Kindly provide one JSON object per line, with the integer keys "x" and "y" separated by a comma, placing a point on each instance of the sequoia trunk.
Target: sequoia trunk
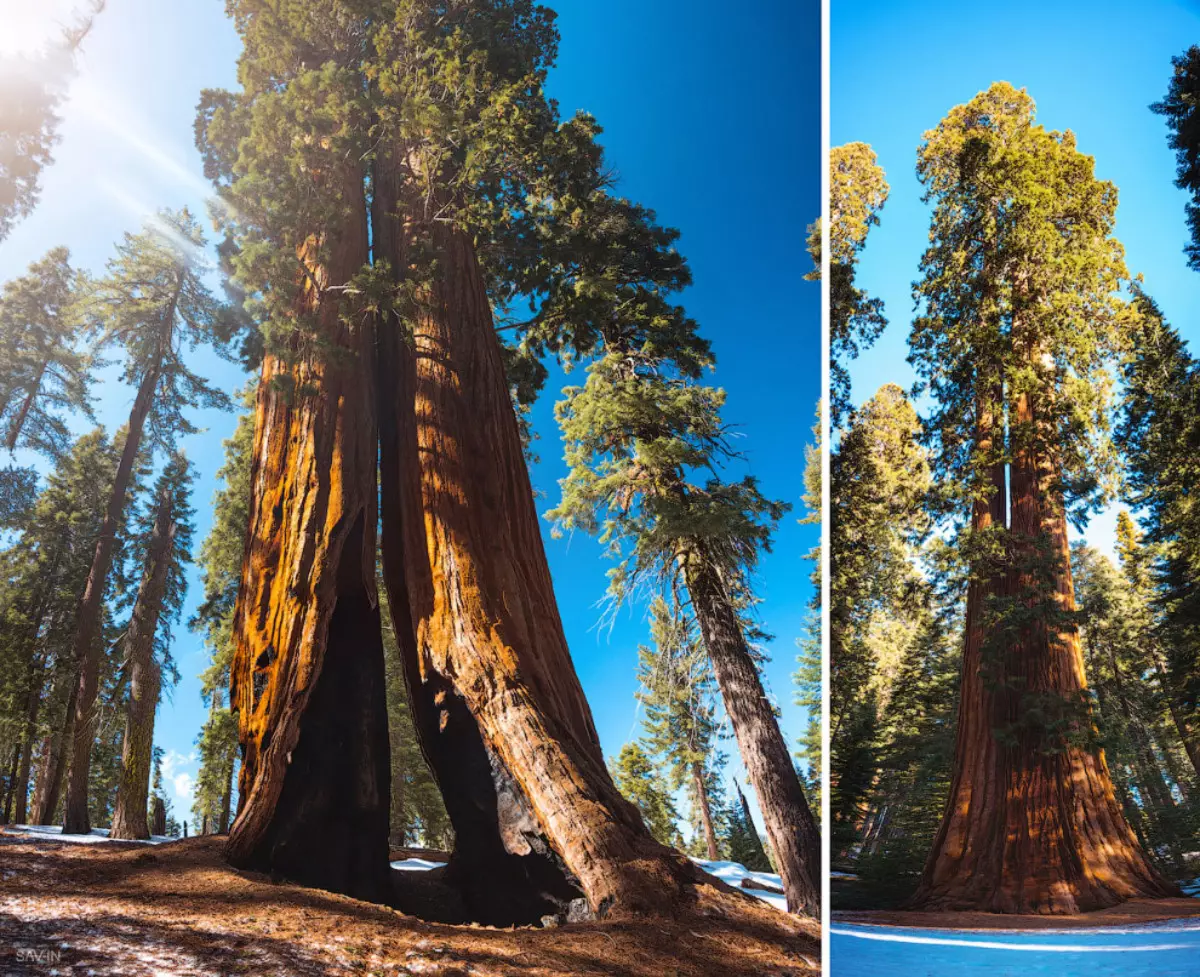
{"x": 791, "y": 829}
{"x": 129, "y": 816}
{"x": 87, "y": 647}
{"x": 1033, "y": 824}
{"x": 484, "y": 618}
{"x": 308, "y": 671}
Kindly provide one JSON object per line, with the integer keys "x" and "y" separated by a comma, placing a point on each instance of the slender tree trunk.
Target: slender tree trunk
{"x": 56, "y": 758}
{"x": 129, "y": 816}
{"x": 31, "y": 717}
{"x": 10, "y": 784}
{"x": 790, "y": 826}
{"x": 1181, "y": 727}
{"x": 308, "y": 671}
{"x": 482, "y": 604}
{"x": 87, "y": 647}
{"x": 226, "y": 800}
{"x": 1033, "y": 824}
{"x": 701, "y": 792}
{"x": 18, "y": 424}
{"x": 159, "y": 820}
{"x": 751, "y": 830}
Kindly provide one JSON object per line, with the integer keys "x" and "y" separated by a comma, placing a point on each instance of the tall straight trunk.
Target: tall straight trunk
{"x": 145, "y": 683}
{"x": 226, "y": 800}
{"x": 10, "y": 783}
{"x": 748, "y": 820}
{"x": 21, "y": 785}
{"x": 1181, "y": 726}
{"x": 307, "y": 677}
{"x": 1033, "y": 823}
{"x": 55, "y": 757}
{"x": 1150, "y": 773}
{"x": 482, "y": 604}
{"x": 87, "y": 647}
{"x": 793, "y": 832}
{"x": 706, "y": 821}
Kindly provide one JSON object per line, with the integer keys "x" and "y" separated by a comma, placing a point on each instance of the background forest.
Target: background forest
{"x": 162, "y": 614}
{"x": 904, "y": 461}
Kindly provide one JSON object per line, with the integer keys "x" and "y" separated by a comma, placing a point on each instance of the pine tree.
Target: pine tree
{"x": 744, "y": 845}
{"x": 153, "y": 303}
{"x": 1179, "y": 106}
{"x": 43, "y": 371}
{"x": 1020, "y": 319}
{"x": 148, "y": 640}
{"x": 639, "y": 780}
{"x": 32, "y": 90}
{"x": 680, "y": 722}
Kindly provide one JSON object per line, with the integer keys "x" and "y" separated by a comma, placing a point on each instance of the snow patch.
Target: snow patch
{"x": 55, "y": 832}
{"x": 416, "y": 865}
{"x": 734, "y": 873}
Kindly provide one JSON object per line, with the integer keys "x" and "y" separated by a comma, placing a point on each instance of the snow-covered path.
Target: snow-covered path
{"x": 1153, "y": 950}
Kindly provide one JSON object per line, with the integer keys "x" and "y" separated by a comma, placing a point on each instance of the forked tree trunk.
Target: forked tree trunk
{"x": 793, "y": 833}
{"x": 706, "y": 821}
{"x": 145, "y": 683}
{"x": 503, "y": 864}
{"x": 308, "y": 671}
{"x": 483, "y": 609}
{"x": 87, "y": 647}
{"x": 1033, "y": 824}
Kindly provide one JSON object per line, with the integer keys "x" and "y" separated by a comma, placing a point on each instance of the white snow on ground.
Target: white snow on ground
{"x": 733, "y": 873}
{"x": 416, "y": 865}
{"x": 1191, "y": 888}
{"x": 54, "y": 832}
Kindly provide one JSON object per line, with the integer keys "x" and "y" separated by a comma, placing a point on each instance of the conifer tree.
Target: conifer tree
{"x": 148, "y": 639}
{"x": 1181, "y": 107}
{"x": 680, "y": 722}
{"x": 1020, "y": 320}
{"x": 378, "y": 204}
{"x": 44, "y": 372}
{"x": 31, "y": 93}
{"x": 154, "y": 305}
{"x": 639, "y": 779}
{"x": 744, "y": 844}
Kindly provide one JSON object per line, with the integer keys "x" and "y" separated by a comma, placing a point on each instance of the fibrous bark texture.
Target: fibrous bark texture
{"x": 484, "y": 618}
{"x": 137, "y": 747}
{"x": 308, "y": 669}
{"x": 791, "y": 829}
{"x": 1033, "y": 824}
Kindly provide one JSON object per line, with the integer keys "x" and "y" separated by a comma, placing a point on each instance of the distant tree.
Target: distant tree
{"x": 31, "y": 93}
{"x": 44, "y": 371}
{"x": 680, "y": 721}
{"x": 744, "y": 845}
{"x": 154, "y": 304}
{"x": 1181, "y": 107}
{"x": 147, "y": 642}
{"x": 640, "y": 781}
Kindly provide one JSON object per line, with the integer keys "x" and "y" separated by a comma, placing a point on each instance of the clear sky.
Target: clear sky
{"x": 712, "y": 116}
{"x": 898, "y": 67}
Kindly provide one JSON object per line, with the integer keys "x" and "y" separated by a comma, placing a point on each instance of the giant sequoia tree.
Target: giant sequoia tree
{"x": 392, "y": 168}
{"x": 1020, "y": 316}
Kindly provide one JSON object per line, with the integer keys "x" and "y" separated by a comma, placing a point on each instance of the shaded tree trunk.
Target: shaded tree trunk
{"x": 158, "y": 822}
{"x": 478, "y": 587}
{"x": 18, "y": 424}
{"x": 793, "y": 832}
{"x": 1033, "y": 824}
{"x": 1181, "y": 726}
{"x": 55, "y": 757}
{"x": 129, "y": 816}
{"x": 706, "y": 821}
{"x": 21, "y": 783}
{"x": 308, "y": 671}
{"x": 226, "y": 801}
{"x": 87, "y": 648}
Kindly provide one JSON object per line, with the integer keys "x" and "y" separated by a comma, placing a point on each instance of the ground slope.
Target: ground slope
{"x": 178, "y": 910}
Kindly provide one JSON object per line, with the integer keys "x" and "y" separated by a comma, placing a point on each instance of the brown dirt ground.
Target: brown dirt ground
{"x": 177, "y": 910}
{"x": 1129, "y": 913}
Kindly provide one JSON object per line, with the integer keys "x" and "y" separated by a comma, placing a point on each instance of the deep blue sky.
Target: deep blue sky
{"x": 898, "y": 67}
{"x": 711, "y": 116}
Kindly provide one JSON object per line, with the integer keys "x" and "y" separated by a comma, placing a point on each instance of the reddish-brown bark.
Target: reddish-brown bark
{"x": 484, "y": 617}
{"x": 308, "y": 670}
{"x": 1033, "y": 824}
{"x": 700, "y": 791}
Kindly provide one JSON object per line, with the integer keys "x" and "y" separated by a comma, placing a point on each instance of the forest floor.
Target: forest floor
{"x": 177, "y": 910}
